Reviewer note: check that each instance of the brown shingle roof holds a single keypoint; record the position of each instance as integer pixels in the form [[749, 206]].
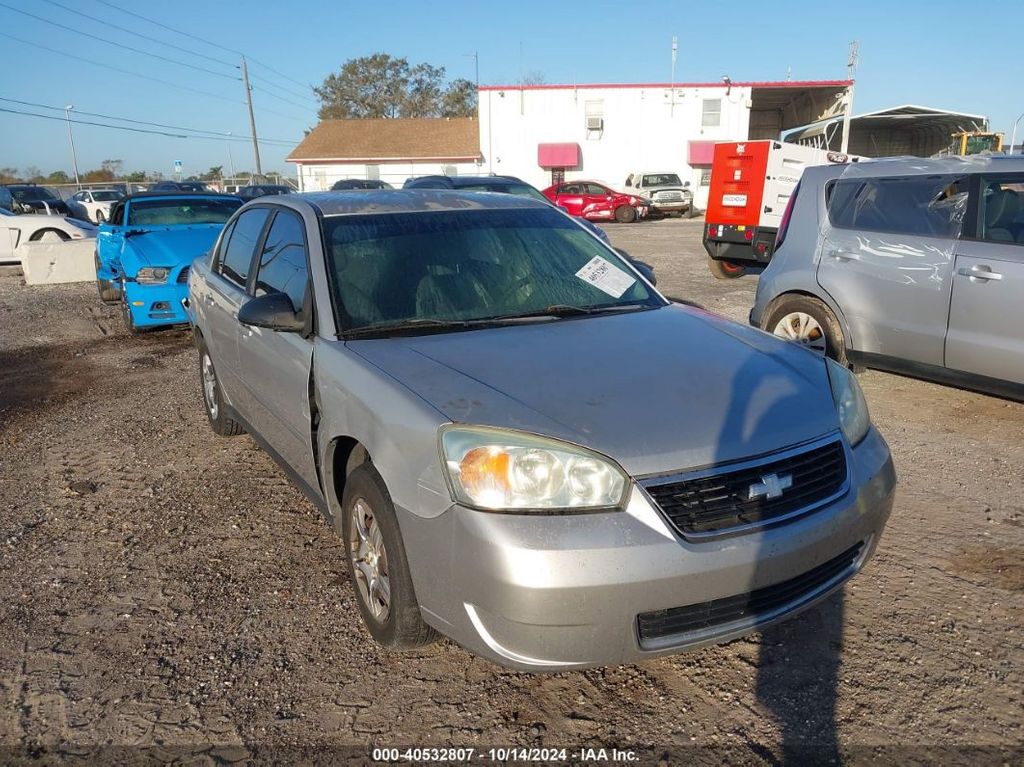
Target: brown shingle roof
[[436, 138]]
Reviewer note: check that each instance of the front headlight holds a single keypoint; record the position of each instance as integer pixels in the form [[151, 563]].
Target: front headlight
[[152, 275], [502, 470], [850, 403]]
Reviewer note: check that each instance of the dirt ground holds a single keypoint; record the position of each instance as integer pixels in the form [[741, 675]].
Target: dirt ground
[[166, 588]]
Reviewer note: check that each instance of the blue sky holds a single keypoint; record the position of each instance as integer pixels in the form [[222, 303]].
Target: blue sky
[[927, 53]]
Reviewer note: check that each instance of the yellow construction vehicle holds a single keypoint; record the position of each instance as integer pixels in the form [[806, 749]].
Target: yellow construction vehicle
[[975, 142]]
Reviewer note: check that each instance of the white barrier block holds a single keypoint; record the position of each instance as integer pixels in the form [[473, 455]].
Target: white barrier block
[[48, 263]]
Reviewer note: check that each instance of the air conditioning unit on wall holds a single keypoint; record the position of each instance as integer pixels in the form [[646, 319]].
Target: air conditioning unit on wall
[[595, 123]]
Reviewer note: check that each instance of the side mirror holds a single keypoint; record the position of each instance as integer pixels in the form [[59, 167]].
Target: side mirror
[[273, 311], [686, 184], [646, 270]]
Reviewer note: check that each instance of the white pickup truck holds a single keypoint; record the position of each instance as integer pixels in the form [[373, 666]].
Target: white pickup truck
[[664, 191]]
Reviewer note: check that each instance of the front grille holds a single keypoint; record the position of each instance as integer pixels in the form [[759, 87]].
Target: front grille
[[668, 196], [715, 503], [766, 602], [183, 275]]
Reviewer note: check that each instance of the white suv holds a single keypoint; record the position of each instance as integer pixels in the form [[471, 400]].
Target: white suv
[[665, 192]]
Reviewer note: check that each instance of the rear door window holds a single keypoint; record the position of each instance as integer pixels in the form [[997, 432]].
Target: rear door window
[[1001, 210], [282, 267], [929, 206], [236, 258]]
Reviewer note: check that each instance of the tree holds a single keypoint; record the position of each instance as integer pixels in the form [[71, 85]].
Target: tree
[[9, 175], [533, 77], [215, 171], [459, 100], [383, 86], [114, 167], [33, 175], [135, 176], [58, 177], [97, 175]]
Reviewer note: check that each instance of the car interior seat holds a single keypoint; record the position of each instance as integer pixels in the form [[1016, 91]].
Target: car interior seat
[[1000, 210]]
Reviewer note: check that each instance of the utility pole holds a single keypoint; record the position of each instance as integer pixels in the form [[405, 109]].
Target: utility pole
[[851, 70], [672, 83], [252, 119], [71, 140], [1013, 136], [231, 159]]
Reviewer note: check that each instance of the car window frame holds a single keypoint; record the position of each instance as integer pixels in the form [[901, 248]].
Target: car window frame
[[254, 267], [973, 217], [965, 178], [215, 266]]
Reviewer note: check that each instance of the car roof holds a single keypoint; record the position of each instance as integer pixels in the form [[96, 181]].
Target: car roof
[[169, 193], [401, 201]]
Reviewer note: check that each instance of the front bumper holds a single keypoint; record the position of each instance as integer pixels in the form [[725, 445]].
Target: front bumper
[[156, 305], [549, 593]]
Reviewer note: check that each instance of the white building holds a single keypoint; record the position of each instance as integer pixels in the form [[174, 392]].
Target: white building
[[543, 133], [391, 150]]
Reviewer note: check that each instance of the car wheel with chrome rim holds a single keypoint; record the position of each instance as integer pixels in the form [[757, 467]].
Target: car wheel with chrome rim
[[216, 412], [809, 322], [378, 565]]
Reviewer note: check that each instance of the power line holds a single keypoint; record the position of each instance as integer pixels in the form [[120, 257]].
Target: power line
[[268, 84], [120, 45], [265, 92], [189, 35], [112, 25], [118, 127], [212, 134], [118, 69]]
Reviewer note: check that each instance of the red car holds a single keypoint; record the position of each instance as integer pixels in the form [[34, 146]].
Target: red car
[[596, 202]]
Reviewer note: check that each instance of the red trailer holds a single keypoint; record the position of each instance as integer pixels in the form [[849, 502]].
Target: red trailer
[[751, 183]]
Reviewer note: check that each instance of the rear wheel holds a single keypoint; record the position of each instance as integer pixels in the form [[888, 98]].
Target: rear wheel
[[725, 270], [216, 412], [49, 235], [378, 565], [808, 322], [625, 214]]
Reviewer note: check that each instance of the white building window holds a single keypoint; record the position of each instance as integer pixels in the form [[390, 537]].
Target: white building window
[[594, 111], [711, 114], [373, 172]]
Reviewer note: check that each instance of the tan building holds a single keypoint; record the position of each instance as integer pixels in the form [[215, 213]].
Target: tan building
[[390, 150]]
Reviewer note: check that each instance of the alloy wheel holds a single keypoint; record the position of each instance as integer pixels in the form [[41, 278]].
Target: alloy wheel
[[369, 560], [803, 329], [210, 386]]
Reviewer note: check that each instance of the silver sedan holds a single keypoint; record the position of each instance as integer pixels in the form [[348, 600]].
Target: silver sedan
[[524, 446]]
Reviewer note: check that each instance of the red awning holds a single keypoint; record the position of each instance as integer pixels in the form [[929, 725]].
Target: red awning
[[558, 155], [700, 152]]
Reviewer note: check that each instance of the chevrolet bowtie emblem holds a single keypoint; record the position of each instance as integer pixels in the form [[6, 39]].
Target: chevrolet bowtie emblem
[[771, 486]]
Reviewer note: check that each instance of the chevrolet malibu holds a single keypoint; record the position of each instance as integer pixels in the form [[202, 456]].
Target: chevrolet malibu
[[522, 444]]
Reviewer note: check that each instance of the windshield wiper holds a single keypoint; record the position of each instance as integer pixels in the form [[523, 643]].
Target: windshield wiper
[[420, 323], [568, 310]]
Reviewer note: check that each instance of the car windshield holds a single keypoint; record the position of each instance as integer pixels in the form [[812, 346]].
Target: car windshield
[[522, 190], [662, 179], [107, 196], [181, 211], [32, 193], [418, 269]]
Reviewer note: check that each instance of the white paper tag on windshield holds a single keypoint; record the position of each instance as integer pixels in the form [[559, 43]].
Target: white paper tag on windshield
[[605, 276]]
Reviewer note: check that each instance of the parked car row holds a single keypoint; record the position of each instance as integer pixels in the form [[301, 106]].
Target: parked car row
[[19, 228]]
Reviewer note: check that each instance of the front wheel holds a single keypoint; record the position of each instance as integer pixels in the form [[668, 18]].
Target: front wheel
[[625, 214], [100, 216], [109, 292], [725, 270], [808, 322], [378, 565], [126, 313]]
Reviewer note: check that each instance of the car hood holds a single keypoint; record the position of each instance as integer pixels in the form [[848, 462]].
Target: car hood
[[170, 245], [667, 188], [658, 390]]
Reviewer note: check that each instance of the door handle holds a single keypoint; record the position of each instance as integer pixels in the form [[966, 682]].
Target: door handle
[[980, 272], [842, 255]]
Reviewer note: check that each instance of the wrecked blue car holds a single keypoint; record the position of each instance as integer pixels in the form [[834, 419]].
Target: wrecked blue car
[[143, 252]]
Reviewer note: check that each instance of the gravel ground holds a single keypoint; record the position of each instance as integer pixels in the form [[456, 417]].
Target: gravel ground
[[163, 587]]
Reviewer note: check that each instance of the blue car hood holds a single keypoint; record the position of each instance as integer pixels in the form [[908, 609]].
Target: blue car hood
[[169, 245], [658, 390]]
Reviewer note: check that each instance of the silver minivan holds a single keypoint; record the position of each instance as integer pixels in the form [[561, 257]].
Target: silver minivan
[[910, 265]]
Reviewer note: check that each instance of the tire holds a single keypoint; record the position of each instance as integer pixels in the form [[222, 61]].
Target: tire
[[109, 292], [100, 217], [48, 235], [625, 214], [216, 411], [126, 313], [809, 322], [394, 622], [725, 270]]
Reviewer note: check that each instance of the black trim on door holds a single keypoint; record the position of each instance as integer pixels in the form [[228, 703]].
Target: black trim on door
[[939, 374]]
